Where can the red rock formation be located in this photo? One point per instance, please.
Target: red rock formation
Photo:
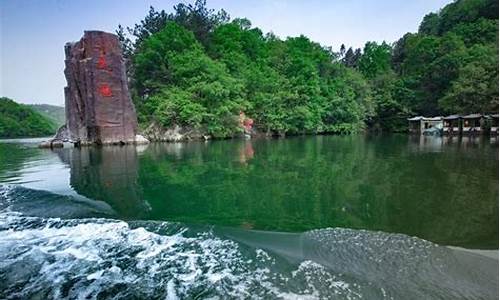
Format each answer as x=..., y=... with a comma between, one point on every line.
x=98, y=105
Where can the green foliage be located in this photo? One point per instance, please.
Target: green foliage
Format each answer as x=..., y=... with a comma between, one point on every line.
x=153, y=63
x=392, y=99
x=476, y=88
x=430, y=24
x=17, y=120
x=481, y=32
x=376, y=59
x=288, y=87
x=451, y=65
x=196, y=18
x=466, y=12
x=196, y=69
x=351, y=57
x=181, y=85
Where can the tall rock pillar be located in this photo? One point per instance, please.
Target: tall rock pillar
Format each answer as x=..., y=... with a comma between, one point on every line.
x=98, y=104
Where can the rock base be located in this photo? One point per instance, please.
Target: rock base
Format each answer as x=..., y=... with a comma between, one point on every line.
x=50, y=144
x=59, y=143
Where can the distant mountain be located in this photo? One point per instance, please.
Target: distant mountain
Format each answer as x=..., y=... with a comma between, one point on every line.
x=19, y=120
x=53, y=112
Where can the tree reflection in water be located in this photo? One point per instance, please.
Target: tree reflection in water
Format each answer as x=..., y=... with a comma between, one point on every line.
x=433, y=188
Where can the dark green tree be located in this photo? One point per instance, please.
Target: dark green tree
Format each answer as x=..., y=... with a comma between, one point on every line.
x=376, y=59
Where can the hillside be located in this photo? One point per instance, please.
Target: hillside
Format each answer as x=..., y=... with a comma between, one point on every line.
x=19, y=120
x=53, y=112
x=199, y=69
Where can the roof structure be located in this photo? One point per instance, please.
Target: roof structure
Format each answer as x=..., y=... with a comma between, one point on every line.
x=433, y=118
x=421, y=118
x=473, y=116
x=452, y=117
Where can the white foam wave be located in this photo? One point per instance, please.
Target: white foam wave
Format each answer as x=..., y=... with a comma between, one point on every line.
x=101, y=258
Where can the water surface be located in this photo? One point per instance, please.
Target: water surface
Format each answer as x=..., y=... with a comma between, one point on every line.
x=324, y=216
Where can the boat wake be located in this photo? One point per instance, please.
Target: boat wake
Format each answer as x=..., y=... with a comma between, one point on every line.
x=100, y=258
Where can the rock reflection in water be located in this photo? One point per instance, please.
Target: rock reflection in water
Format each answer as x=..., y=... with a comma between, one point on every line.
x=109, y=174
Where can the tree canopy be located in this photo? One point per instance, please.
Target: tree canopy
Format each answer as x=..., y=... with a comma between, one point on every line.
x=195, y=67
x=451, y=64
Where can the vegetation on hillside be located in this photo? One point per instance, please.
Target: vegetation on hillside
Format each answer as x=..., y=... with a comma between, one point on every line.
x=451, y=64
x=18, y=120
x=52, y=112
x=197, y=68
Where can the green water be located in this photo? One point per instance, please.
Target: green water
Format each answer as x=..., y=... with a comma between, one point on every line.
x=441, y=190
x=342, y=217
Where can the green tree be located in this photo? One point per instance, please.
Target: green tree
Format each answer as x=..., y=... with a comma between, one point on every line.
x=376, y=59
x=476, y=88
x=351, y=57
x=430, y=24
x=180, y=85
x=445, y=62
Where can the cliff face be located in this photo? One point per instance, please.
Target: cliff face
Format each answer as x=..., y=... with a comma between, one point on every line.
x=98, y=104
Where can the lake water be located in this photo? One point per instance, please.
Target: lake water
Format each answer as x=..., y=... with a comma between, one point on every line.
x=342, y=217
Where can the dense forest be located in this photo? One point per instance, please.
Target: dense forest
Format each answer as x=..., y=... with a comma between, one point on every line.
x=18, y=120
x=199, y=69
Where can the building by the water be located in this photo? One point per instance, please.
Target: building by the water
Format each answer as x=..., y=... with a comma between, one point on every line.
x=421, y=124
x=494, y=124
x=452, y=125
x=473, y=124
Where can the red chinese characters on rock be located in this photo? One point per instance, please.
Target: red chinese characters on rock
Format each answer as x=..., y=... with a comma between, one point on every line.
x=101, y=62
x=105, y=90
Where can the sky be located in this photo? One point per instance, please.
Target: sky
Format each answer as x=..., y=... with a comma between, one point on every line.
x=33, y=32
